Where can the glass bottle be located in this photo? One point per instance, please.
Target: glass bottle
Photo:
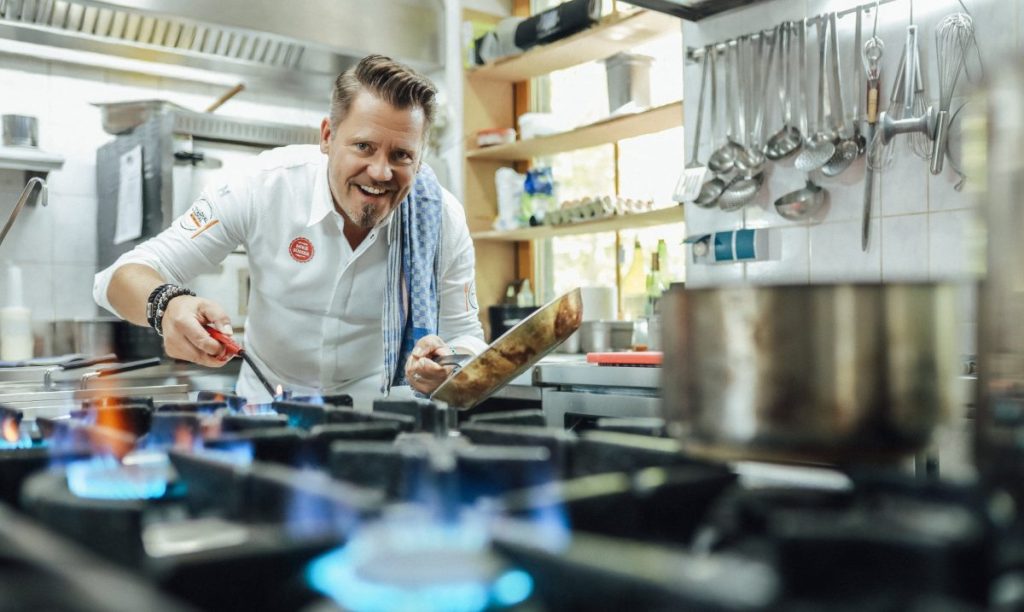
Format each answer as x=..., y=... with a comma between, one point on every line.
x=655, y=285
x=634, y=286
x=666, y=273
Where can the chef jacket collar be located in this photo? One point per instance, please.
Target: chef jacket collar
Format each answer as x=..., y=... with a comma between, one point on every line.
x=323, y=202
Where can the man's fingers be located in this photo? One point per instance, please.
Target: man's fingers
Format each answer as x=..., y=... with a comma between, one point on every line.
x=427, y=345
x=185, y=336
x=197, y=335
x=211, y=312
x=181, y=348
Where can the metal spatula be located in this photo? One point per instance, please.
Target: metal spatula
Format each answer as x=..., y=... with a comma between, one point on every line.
x=689, y=186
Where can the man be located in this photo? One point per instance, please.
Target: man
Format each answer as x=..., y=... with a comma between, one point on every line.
x=361, y=264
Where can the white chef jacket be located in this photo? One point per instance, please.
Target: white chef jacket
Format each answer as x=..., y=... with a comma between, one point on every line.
x=315, y=305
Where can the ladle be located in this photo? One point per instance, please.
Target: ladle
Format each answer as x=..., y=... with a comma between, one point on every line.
x=750, y=158
x=819, y=148
x=788, y=139
x=713, y=187
x=744, y=187
x=723, y=160
x=803, y=203
x=846, y=147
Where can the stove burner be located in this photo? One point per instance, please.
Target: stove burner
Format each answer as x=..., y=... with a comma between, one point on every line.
x=407, y=564
x=139, y=477
x=235, y=402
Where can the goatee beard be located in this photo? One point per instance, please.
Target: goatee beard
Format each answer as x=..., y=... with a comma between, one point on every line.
x=367, y=218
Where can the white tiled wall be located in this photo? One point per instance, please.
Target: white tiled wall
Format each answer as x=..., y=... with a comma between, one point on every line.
x=56, y=245
x=920, y=226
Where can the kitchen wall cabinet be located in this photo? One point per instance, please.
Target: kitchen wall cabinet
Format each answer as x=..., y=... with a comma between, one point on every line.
x=496, y=94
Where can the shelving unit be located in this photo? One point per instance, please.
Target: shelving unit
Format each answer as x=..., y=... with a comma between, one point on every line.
x=29, y=159
x=607, y=131
x=661, y=216
x=617, y=32
x=494, y=95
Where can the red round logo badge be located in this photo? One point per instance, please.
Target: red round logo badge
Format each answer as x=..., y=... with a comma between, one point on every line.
x=301, y=249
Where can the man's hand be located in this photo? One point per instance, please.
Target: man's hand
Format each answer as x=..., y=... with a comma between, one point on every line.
x=184, y=336
x=423, y=374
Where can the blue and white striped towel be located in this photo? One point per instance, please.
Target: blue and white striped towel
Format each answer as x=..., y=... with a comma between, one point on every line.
x=411, y=298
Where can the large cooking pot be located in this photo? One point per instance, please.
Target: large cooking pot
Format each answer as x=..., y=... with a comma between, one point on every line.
x=831, y=373
x=513, y=353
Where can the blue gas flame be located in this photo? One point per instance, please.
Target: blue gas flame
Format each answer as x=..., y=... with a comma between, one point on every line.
x=24, y=441
x=335, y=574
x=107, y=478
x=347, y=574
x=236, y=453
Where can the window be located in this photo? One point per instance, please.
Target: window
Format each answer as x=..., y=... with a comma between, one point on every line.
x=648, y=167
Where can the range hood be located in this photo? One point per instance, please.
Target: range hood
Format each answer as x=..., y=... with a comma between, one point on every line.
x=288, y=42
x=691, y=10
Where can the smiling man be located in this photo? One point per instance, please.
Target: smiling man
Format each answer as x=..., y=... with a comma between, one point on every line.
x=361, y=263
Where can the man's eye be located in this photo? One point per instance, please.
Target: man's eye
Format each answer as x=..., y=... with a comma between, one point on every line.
x=362, y=146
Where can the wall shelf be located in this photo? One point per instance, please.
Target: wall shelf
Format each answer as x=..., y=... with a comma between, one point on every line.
x=661, y=216
x=29, y=159
x=615, y=33
x=606, y=131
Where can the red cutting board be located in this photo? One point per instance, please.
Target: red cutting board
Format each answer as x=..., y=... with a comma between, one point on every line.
x=633, y=358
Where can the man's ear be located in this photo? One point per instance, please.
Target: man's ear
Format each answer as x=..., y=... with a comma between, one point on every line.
x=325, y=135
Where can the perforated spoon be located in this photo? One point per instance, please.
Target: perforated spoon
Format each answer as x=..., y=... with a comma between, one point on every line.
x=819, y=148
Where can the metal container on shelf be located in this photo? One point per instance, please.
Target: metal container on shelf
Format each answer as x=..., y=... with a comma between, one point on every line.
x=829, y=373
x=629, y=82
x=20, y=131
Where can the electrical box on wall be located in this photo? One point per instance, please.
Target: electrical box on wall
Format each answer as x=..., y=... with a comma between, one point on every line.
x=735, y=246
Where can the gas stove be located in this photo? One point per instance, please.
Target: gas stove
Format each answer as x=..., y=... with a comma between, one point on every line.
x=309, y=504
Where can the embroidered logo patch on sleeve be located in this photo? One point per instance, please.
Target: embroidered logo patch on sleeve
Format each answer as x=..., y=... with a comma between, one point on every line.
x=199, y=218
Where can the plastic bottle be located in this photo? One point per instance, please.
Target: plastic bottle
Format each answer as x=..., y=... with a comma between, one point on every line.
x=634, y=286
x=15, y=321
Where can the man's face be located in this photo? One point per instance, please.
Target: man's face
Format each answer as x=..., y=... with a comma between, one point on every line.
x=373, y=155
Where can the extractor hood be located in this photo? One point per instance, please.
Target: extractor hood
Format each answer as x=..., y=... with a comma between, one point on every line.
x=691, y=10
x=289, y=42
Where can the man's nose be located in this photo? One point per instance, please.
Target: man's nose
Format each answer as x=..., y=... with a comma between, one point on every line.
x=380, y=168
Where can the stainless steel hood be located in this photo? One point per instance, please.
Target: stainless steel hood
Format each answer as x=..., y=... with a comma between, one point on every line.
x=289, y=42
x=691, y=10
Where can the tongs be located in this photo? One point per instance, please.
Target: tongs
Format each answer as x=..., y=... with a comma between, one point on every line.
x=231, y=348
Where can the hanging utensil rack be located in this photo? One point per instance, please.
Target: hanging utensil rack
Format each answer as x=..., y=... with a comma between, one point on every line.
x=694, y=54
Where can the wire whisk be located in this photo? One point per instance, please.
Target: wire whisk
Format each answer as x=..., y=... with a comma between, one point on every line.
x=953, y=37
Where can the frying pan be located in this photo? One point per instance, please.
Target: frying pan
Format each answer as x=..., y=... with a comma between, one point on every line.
x=513, y=353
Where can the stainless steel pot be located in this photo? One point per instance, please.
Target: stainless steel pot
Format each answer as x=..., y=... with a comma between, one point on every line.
x=831, y=373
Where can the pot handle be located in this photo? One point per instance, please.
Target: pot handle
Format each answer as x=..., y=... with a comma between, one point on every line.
x=125, y=367
x=455, y=359
x=85, y=362
x=75, y=364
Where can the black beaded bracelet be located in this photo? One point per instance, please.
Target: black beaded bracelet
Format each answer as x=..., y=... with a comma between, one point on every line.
x=151, y=302
x=157, y=305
